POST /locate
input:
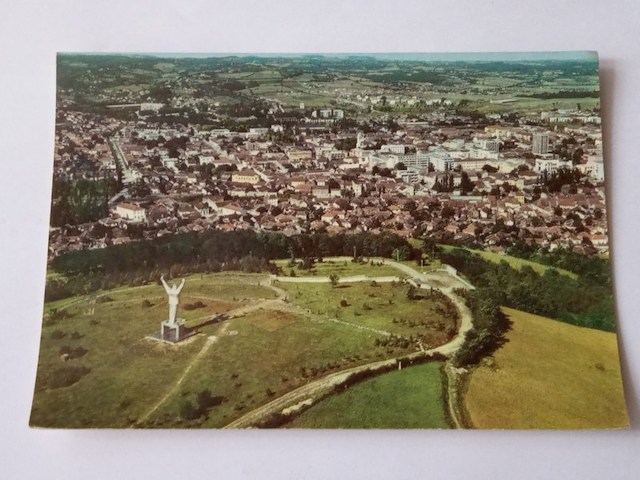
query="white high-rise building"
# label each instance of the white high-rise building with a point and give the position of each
(540, 143)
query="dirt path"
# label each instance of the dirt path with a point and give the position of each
(176, 386)
(440, 280)
(444, 282)
(453, 400)
(198, 356)
(308, 391)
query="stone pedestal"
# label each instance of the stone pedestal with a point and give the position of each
(174, 332)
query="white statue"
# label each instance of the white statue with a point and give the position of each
(173, 291)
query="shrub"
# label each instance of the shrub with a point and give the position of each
(58, 334)
(188, 411)
(56, 314)
(194, 306)
(147, 304)
(275, 420)
(104, 299)
(73, 353)
(206, 400)
(56, 290)
(66, 376)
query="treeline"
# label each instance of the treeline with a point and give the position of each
(586, 301)
(583, 302)
(566, 94)
(137, 263)
(590, 268)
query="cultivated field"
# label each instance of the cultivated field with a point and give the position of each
(408, 398)
(549, 375)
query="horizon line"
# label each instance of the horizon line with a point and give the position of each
(576, 55)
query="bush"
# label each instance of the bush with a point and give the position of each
(73, 353)
(66, 376)
(104, 299)
(147, 304)
(194, 306)
(188, 411)
(275, 420)
(58, 334)
(206, 400)
(57, 290)
(56, 314)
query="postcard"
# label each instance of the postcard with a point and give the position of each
(364, 240)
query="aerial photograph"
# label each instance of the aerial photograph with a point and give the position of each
(385, 241)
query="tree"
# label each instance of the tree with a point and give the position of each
(400, 166)
(466, 185)
(188, 411)
(400, 254)
(576, 158)
(139, 189)
(430, 247)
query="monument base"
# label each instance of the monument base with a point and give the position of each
(173, 332)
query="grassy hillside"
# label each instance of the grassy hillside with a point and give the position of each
(113, 374)
(549, 375)
(384, 307)
(97, 369)
(409, 398)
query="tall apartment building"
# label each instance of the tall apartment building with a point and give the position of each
(540, 143)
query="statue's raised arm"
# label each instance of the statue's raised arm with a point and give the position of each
(181, 285)
(166, 287)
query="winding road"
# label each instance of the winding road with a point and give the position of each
(442, 280)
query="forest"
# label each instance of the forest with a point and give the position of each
(586, 301)
(141, 262)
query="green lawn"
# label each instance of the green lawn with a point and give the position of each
(345, 268)
(377, 305)
(408, 398)
(115, 375)
(255, 357)
(267, 354)
(127, 373)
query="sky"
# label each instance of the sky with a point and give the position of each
(434, 57)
